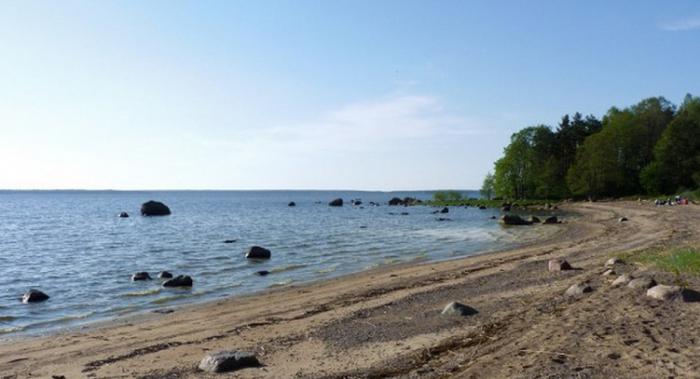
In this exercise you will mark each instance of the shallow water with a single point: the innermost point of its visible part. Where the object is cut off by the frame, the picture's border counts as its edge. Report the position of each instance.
(72, 245)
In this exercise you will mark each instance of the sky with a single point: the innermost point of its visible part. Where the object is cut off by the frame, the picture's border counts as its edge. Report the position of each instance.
(370, 95)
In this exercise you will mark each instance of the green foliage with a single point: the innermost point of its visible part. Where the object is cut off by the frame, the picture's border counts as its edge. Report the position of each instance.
(487, 188)
(447, 196)
(646, 147)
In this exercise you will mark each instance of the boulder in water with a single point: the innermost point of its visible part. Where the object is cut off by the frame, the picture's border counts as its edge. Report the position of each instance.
(514, 220)
(336, 202)
(262, 273)
(123, 215)
(482, 207)
(225, 361)
(257, 252)
(292, 204)
(458, 309)
(534, 220)
(230, 241)
(445, 210)
(395, 201)
(140, 276)
(164, 275)
(34, 296)
(551, 220)
(179, 281)
(154, 208)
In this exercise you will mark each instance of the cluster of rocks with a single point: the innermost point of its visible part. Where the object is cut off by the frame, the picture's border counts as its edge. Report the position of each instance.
(647, 283)
(406, 201)
(517, 220)
(169, 280)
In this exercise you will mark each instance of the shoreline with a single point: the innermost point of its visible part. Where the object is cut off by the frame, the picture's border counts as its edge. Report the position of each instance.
(545, 234)
(377, 322)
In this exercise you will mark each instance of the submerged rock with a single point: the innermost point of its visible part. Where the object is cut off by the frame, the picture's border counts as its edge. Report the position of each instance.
(551, 220)
(262, 273)
(179, 281)
(225, 361)
(664, 292)
(644, 282)
(230, 241)
(558, 265)
(34, 296)
(154, 208)
(292, 204)
(336, 203)
(123, 215)
(578, 289)
(482, 207)
(140, 276)
(445, 210)
(534, 220)
(514, 220)
(257, 252)
(395, 201)
(164, 275)
(458, 309)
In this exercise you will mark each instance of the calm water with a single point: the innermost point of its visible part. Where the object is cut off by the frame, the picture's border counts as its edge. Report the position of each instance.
(73, 246)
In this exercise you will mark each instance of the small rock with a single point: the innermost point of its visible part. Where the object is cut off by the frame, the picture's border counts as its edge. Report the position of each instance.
(493, 217)
(514, 220)
(123, 215)
(336, 203)
(623, 219)
(644, 282)
(613, 261)
(34, 296)
(257, 252)
(551, 220)
(664, 292)
(263, 273)
(404, 213)
(578, 289)
(179, 281)
(443, 219)
(482, 207)
(534, 220)
(622, 280)
(445, 210)
(164, 275)
(225, 361)
(506, 208)
(140, 276)
(230, 241)
(395, 201)
(558, 265)
(458, 309)
(609, 272)
(292, 204)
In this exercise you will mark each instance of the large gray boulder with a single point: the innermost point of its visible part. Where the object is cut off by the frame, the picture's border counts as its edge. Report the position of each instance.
(154, 208)
(458, 309)
(34, 296)
(179, 281)
(664, 292)
(225, 361)
(257, 252)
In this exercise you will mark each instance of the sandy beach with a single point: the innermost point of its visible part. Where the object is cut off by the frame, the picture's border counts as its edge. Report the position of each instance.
(387, 323)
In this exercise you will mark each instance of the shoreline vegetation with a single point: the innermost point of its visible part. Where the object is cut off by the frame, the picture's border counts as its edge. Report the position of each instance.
(387, 322)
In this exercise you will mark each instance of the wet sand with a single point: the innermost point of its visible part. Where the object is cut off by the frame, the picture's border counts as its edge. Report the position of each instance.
(387, 323)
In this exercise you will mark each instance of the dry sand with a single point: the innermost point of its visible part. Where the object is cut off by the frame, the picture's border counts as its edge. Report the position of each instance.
(387, 322)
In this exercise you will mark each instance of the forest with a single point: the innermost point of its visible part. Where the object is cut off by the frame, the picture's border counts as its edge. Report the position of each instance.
(650, 148)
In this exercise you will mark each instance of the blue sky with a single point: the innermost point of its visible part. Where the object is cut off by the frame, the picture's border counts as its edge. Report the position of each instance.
(314, 94)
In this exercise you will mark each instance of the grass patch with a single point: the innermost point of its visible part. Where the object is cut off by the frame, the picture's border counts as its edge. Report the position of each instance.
(678, 261)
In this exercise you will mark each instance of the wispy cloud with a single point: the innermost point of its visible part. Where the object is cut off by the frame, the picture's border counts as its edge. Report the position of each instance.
(683, 24)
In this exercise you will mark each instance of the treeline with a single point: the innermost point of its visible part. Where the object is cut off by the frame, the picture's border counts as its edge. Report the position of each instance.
(652, 147)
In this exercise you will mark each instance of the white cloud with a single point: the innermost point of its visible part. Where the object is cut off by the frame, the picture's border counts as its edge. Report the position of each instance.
(683, 24)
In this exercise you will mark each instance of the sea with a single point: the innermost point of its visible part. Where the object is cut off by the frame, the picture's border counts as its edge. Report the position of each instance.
(73, 246)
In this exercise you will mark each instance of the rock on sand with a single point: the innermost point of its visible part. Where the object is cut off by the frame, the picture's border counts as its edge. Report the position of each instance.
(458, 309)
(558, 265)
(225, 361)
(578, 289)
(644, 282)
(664, 292)
(622, 280)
